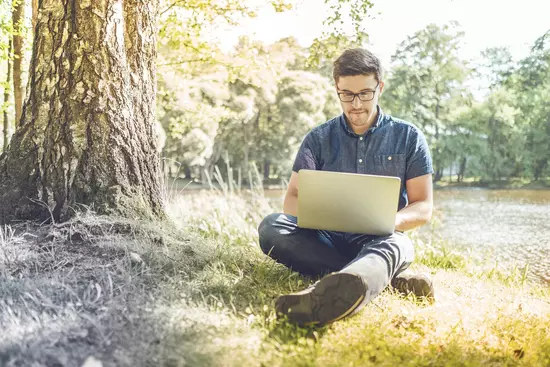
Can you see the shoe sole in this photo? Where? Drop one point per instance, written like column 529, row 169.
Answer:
column 335, row 297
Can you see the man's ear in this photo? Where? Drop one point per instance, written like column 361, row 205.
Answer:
column 381, row 87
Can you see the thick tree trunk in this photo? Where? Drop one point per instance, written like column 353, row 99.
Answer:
column 6, row 132
column 18, row 17
column 87, row 131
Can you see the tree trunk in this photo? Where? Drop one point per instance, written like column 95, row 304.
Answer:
column 438, row 174
column 87, row 131
column 34, row 15
column 18, row 18
column 267, row 169
column 462, row 169
column 6, row 100
column 437, row 161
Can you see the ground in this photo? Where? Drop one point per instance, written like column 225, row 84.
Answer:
column 196, row 290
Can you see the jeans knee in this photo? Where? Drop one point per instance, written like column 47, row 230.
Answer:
column 406, row 246
column 267, row 232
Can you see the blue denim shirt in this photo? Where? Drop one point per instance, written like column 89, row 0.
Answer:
column 391, row 147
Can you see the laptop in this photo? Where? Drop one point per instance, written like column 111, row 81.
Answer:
column 347, row 202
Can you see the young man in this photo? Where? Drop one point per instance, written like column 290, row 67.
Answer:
column 362, row 140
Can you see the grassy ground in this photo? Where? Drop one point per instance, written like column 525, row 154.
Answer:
column 199, row 292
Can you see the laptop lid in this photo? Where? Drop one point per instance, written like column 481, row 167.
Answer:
column 347, row 202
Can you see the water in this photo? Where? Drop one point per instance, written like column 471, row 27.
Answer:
column 514, row 225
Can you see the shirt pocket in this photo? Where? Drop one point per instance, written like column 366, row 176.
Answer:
column 390, row 165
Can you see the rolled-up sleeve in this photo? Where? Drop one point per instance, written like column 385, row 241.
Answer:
column 306, row 156
column 419, row 160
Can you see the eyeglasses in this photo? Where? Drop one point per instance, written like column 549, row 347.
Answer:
column 363, row 96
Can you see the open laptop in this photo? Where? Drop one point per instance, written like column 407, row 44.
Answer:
column 347, row 202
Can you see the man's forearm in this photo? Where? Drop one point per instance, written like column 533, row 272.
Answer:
column 290, row 205
column 413, row 215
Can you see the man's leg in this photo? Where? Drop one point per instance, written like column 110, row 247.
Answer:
column 307, row 251
column 377, row 261
column 397, row 253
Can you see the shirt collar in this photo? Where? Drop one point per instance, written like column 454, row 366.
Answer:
column 377, row 123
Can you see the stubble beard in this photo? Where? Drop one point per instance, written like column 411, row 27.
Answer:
column 359, row 119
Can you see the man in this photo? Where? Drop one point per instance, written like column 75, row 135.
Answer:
column 362, row 140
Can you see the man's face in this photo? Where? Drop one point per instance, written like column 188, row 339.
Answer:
column 360, row 114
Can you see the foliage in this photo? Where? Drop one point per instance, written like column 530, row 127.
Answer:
column 343, row 28
column 256, row 118
column 499, row 137
column 426, row 85
column 253, row 104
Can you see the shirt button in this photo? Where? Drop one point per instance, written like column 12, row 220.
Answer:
column 389, row 158
column 360, row 161
column 361, row 138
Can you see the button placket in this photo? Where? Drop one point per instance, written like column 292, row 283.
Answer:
column 361, row 154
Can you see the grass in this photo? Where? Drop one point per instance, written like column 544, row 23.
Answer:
column 197, row 291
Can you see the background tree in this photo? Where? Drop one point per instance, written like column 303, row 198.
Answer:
column 6, row 38
column 426, row 85
column 532, row 86
column 87, row 131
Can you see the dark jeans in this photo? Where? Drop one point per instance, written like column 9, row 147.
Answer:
column 315, row 252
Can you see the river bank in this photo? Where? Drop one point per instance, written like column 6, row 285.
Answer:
column 197, row 291
column 182, row 184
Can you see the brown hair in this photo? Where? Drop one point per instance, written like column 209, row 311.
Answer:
column 357, row 61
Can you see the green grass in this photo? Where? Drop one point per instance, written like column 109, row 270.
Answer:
column 197, row 291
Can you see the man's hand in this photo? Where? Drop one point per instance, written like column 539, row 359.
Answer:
column 419, row 210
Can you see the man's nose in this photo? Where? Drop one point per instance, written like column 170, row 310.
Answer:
column 356, row 103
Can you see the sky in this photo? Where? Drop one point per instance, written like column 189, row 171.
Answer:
column 486, row 23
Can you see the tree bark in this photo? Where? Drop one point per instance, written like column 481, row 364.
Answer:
column 87, row 131
column 34, row 15
column 18, row 17
column 6, row 100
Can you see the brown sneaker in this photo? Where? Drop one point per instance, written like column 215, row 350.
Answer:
column 418, row 284
column 332, row 298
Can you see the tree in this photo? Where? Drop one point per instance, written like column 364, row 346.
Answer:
column 5, row 55
column 7, row 98
column 343, row 28
column 18, row 17
column 34, row 7
column 87, row 131
column 426, row 85
column 185, row 41
column 531, row 84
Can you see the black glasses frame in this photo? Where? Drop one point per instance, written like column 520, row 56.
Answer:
column 358, row 95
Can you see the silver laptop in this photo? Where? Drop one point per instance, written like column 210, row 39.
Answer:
column 347, row 202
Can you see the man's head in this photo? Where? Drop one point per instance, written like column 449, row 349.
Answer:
column 358, row 78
